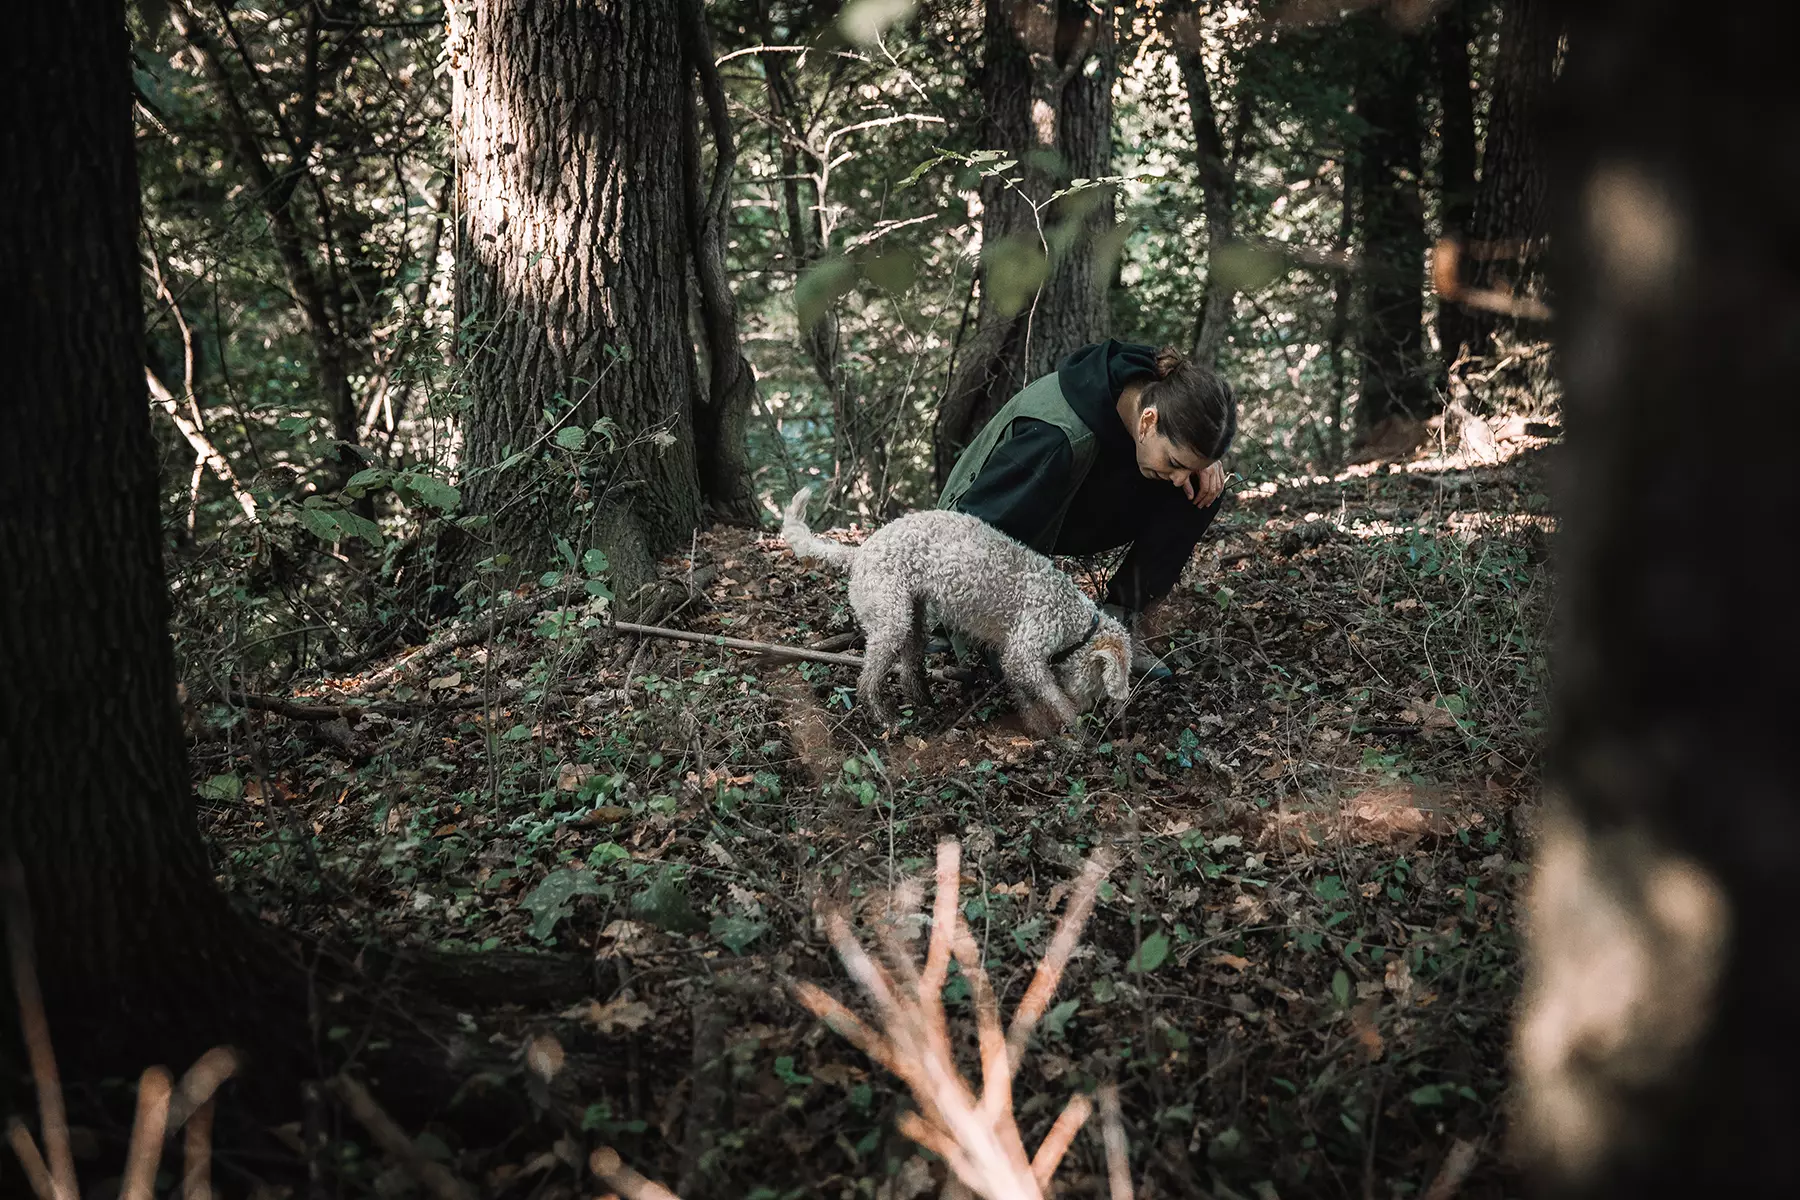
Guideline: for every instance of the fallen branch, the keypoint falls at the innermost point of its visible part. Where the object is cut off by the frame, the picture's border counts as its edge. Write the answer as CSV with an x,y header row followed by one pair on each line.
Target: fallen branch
x,y
204,450
715,639
434,1177
466,635
295,710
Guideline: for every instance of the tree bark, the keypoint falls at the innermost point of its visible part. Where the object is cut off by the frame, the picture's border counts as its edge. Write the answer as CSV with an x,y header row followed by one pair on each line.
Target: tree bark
x,y
1456,156
1655,1048
1396,378
572,265
141,958
1046,90
1180,20
1507,223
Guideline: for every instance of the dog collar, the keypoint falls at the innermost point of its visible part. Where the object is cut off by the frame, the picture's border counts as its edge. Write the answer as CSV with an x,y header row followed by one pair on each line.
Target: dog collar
x,y
1062,656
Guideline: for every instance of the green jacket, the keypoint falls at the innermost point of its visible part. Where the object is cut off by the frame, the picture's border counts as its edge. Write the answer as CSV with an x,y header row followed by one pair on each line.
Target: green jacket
x,y
1040,401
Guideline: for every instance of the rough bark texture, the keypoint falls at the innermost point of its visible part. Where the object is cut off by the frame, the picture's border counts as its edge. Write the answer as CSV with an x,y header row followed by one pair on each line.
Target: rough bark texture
x,y
1656,1050
1456,154
572,267
1046,90
1507,224
1180,20
141,958
723,414
1396,376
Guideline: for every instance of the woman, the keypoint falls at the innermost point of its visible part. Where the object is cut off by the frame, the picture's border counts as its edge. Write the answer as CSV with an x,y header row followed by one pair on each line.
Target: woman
x,y
1122,444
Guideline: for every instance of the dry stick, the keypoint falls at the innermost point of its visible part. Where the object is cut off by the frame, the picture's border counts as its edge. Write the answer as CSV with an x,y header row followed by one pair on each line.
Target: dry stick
x,y
1056,1143
196,1147
1062,944
433,1176
145,1149
467,635
1457,1165
29,1158
714,639
195,1088
606,1163
204,450
1112,1133
53,1119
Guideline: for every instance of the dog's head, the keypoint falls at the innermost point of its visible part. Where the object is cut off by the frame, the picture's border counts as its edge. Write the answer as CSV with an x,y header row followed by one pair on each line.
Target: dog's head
x,y
1101,669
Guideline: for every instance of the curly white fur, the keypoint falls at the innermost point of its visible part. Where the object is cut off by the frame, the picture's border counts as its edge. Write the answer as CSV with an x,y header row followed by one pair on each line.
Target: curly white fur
x,y
983,584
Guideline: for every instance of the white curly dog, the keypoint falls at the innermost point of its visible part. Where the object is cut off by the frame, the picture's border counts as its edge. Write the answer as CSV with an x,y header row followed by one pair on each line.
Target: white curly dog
x,y
1057,649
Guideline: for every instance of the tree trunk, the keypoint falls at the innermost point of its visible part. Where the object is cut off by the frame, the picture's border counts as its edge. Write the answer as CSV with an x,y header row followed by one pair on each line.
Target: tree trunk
x,y
1506,226
572,266
1046,90
1396,378
1656,1051
1180,20
722,417
141,958
1456,156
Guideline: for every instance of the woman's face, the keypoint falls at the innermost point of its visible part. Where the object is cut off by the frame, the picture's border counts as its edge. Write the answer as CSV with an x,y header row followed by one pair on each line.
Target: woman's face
x,y
1159,458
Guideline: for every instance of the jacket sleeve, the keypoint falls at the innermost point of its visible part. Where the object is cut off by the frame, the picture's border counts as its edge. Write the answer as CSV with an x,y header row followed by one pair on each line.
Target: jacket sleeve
x,y
1024,482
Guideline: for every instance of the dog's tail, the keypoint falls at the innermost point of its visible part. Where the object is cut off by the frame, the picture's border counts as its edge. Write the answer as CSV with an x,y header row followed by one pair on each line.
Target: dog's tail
x,y
804,542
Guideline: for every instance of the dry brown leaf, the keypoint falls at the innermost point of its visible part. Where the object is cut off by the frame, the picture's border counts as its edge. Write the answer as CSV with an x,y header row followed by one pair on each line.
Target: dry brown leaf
x,y
1233,961
443,682
544,1055
570,776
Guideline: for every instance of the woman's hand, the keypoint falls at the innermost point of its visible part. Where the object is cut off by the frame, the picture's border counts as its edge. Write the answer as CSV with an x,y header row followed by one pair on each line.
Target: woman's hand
x,y
1204,487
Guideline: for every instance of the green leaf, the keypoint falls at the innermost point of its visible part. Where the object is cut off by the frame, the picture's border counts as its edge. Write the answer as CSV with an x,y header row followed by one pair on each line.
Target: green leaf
x,y
365,481
551,899
894,271
820,288
1058,1017
665,904
322,523
737,931
428,490
221,787
1427,1096
1330,888
919,171
593,562
864,21
1246,268
1151,954
784,1071
1340,988
360,526
571,437
597,588
1016,268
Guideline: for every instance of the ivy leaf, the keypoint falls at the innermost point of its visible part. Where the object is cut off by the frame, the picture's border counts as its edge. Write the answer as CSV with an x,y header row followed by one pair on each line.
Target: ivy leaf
x,y
1150,955
551,899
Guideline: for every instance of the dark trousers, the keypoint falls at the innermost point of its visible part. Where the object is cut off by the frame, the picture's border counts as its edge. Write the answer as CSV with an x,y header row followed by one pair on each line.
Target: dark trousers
x,y
1159,523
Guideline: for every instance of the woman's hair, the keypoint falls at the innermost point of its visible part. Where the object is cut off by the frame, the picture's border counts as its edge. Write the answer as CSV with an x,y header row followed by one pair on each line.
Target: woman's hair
x,y
1195,409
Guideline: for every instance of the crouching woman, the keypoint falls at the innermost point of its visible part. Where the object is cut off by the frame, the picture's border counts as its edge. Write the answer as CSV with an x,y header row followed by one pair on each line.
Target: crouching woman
x,y
1120,445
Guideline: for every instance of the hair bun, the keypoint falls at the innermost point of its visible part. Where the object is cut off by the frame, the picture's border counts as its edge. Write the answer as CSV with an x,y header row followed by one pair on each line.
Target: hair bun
x,y
1168,361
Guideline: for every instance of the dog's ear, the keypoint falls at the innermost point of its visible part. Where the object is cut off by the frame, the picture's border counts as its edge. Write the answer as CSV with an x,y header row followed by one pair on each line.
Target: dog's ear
x,y
1115,666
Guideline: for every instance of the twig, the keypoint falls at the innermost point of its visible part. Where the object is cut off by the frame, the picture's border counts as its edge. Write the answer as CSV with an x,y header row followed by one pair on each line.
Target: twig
x,y
1112,1133
294,710
53,1119
145,1149
714,639
433,1176
1457,1165
606,1163
467,635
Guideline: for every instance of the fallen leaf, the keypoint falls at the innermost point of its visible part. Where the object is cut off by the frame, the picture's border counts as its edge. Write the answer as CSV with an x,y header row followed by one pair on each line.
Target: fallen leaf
x,y
570,776
1233,961
1362,1023
445,681
544,1055
606,814
619,1014
1398,980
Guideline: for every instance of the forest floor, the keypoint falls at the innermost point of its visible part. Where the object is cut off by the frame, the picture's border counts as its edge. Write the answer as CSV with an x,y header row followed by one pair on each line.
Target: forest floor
x,y
1300,972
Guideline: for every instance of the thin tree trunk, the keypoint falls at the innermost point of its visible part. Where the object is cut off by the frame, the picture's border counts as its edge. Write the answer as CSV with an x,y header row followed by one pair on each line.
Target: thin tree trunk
x,y
141,958
1180,19
1396,378
1456,156
1656,1050
721,419
572,263
1507,224
1037,95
